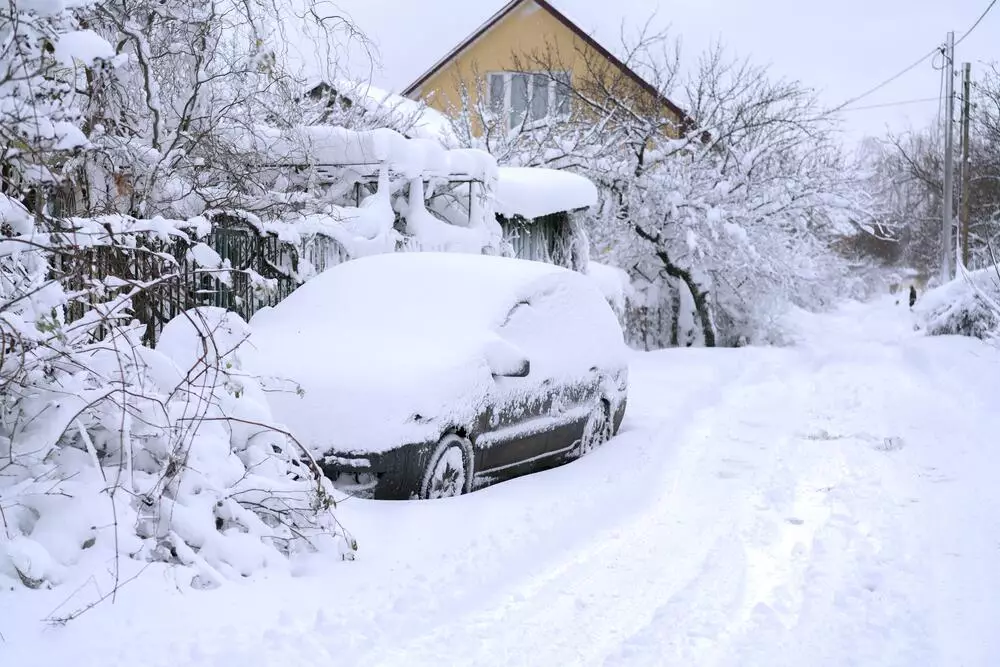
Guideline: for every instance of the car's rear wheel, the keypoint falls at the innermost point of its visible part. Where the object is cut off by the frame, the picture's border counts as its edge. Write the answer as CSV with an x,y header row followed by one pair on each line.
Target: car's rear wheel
x,y
598,429
449,469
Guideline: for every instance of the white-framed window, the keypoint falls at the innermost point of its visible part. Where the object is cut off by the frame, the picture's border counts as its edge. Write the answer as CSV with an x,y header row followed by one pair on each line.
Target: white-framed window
x,y
527,99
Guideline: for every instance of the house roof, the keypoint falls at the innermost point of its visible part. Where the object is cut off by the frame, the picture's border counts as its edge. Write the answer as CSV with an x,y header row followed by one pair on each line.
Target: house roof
x,y
585,37
402,38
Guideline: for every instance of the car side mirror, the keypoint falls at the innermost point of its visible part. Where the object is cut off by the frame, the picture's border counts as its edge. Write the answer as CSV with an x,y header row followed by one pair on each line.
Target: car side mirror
x,y
506,360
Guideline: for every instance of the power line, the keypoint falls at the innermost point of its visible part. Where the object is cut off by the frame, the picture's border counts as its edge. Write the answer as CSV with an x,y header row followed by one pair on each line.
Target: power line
x,y
893,104
976,24
938,50
906,70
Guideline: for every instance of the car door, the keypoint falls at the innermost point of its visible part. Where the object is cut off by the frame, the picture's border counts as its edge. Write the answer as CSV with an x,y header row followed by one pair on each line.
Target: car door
x,y
535,418
516,427
554,333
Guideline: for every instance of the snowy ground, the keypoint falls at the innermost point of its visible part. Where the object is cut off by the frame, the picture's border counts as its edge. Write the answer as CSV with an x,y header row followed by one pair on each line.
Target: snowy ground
x,y
831,503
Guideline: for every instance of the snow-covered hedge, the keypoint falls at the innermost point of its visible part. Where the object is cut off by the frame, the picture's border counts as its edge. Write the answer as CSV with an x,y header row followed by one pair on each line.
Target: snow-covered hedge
x,y
966,306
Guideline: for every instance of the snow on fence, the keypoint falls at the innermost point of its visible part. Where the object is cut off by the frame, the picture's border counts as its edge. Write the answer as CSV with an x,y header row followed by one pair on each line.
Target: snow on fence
x,y
226,262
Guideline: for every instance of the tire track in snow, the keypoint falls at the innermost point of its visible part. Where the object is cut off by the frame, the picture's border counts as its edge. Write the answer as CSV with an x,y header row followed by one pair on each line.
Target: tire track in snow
x,y
757,544
601,595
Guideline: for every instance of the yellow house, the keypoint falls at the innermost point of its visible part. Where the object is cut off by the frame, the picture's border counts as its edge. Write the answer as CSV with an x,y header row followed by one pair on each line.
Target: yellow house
x,y
523,60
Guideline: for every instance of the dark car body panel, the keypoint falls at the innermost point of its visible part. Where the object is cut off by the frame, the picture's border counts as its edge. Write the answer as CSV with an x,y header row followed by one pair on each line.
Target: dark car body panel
x,y
509,440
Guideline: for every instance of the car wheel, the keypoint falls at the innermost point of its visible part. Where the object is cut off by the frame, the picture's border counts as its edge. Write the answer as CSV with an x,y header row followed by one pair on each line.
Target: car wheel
x,y
597,430
449,470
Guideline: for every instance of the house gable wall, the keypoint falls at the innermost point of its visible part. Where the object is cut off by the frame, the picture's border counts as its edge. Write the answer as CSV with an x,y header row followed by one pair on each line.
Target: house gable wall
x,y
526,29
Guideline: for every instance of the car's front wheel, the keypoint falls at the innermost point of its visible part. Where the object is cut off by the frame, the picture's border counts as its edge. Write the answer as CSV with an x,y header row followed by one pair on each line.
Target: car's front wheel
x,y
449,469
598,429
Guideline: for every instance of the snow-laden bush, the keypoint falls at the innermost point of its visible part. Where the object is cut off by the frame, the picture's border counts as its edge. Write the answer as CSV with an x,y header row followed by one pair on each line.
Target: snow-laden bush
x,y
966,306
165,454
162,454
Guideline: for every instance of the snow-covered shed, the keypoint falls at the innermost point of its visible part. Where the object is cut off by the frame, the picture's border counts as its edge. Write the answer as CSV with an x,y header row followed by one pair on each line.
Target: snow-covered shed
x,y
538,211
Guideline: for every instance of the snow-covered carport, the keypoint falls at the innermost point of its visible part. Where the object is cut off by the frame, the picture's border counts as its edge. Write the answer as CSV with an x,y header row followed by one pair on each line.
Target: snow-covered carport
x,y
380,179
539,210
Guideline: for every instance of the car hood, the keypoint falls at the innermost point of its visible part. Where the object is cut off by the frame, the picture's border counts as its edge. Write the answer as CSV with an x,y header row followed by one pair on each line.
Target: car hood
x,y
348,395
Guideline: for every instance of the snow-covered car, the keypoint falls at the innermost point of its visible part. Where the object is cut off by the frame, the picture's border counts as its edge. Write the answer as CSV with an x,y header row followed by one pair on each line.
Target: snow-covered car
x,y
432,374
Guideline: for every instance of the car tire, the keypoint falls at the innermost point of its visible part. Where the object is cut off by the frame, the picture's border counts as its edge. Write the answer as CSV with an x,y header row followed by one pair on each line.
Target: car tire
x,y
598,429
449,469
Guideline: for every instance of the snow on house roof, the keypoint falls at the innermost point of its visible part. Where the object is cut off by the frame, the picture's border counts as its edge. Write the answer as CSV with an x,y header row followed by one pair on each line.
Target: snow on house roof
x,y
532,192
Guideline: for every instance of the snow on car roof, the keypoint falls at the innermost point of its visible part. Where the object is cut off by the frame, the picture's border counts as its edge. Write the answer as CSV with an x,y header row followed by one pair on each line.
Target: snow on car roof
x,y
418,290
532,192
378,339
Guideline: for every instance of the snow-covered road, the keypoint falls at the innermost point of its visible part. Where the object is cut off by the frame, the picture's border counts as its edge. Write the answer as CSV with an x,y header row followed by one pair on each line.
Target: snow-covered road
x,y
830,503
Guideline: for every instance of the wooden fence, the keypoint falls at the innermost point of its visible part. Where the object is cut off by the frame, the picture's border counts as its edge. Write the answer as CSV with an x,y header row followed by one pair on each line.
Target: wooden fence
x,y
173,282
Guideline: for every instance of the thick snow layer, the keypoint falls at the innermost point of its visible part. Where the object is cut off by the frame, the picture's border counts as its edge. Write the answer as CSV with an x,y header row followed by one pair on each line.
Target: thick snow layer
x,y
426,123
829,503
435,234
377,340
365,151
532,192
85,46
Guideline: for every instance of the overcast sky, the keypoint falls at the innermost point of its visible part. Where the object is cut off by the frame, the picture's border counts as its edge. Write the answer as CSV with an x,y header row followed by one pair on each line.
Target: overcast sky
x,y
846,47
840,48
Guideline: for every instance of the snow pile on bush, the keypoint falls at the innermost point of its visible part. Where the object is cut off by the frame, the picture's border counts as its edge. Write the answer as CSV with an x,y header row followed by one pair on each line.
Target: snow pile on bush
x,y
113,448
966,306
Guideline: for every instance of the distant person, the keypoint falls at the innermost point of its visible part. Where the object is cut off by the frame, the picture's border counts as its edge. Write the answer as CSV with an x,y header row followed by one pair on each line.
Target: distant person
x,y
913,295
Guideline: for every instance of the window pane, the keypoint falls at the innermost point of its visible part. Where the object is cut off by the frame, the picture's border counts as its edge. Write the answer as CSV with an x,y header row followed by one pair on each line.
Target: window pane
x,y
561,94
518,98
496,92
539,96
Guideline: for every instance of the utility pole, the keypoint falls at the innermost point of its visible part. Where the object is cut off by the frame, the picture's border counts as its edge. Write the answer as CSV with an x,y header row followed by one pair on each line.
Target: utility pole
x,y
963,213
949,147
